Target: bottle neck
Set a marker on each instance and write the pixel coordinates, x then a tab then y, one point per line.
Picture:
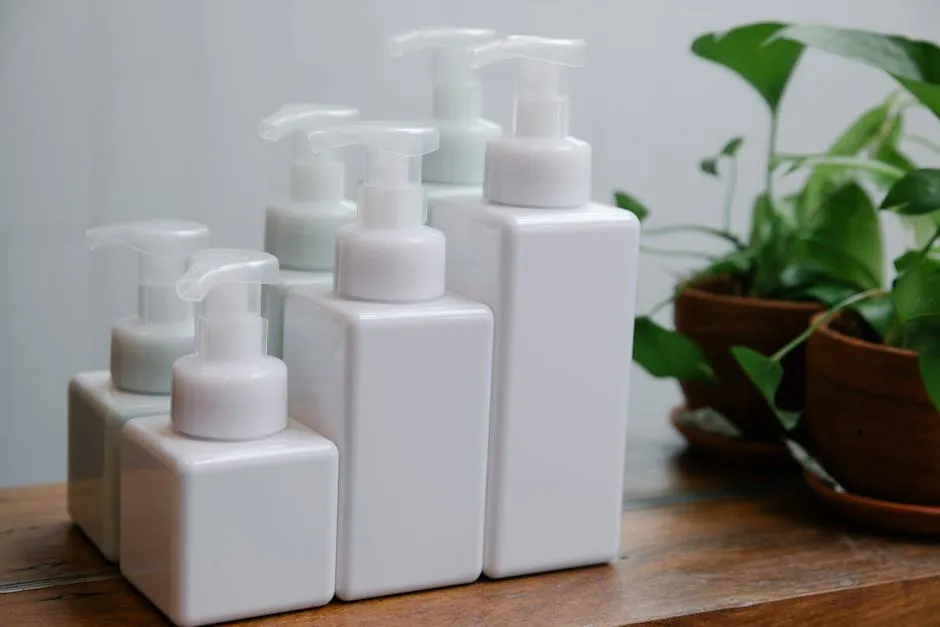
461	102
318	181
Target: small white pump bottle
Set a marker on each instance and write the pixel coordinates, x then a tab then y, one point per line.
228	508
457	166
397	373
301	231
559	272
143	349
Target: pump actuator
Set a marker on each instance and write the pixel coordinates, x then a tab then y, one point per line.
143	348
388	255
540	165
457	102
230	389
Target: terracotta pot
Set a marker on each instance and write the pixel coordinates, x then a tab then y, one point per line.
869	419
716	322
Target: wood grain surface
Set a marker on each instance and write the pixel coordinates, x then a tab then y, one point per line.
695	551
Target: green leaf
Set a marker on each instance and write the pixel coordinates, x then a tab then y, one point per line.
766	376
915	194
709	166
748	51
906	261
770	240
844	240
668	354
916	293
896	159
878	313
914	64
853	140
923	336
731	148
738	263
629	203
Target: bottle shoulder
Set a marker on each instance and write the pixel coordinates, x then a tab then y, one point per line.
477	209
356	312
187	454
99	391
312	211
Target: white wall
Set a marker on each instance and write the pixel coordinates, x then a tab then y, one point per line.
125	109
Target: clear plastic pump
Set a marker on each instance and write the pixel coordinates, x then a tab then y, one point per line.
541	109
227	284
315	177
163	246
540	165
389	255
457	101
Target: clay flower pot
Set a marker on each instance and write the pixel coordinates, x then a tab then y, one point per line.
716	322
869	420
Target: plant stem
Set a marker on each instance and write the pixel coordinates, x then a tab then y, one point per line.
696	228
923	141
660	305
926	249
729	192
676	253
848	162
771	157
848	302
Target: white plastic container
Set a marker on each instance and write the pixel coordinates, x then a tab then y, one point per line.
228	508
301	231
397	374
456	167
143	349
559	273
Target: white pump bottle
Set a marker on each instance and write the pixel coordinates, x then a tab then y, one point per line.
457	166
143	349
397	373
559	272
301	231
226	483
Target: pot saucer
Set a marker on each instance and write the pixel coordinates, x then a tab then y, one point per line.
902	517
730	449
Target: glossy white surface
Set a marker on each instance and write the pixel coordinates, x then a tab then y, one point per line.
561	284
215	531
301	235
403	391
96	412
273	298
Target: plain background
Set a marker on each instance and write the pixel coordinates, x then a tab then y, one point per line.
127	109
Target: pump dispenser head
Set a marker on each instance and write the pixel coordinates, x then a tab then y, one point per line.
541	166
457	101
144	348
314	177
389	255
227	286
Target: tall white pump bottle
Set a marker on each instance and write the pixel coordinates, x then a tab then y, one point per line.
228	507
397	373
457	166
301	231
559	272
143	349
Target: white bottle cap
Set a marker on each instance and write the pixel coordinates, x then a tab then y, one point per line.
389	255
314	178
230	389
457	102
541	166
141	360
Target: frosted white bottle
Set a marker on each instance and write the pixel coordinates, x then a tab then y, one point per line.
300	232
143	349
559	273
397	374
456	167
228	508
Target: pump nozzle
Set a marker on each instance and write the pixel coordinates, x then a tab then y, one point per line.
541	109
314	177
163	246
389	256
227	284
456	103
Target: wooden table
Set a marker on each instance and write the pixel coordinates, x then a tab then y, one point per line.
700	546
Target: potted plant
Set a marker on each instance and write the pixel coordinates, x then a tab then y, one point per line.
872	413
798	255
